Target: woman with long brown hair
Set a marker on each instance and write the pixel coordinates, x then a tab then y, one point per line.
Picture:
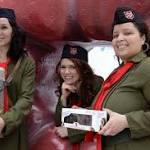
77	86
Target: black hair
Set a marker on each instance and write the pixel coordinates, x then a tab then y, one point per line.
144	30
16	49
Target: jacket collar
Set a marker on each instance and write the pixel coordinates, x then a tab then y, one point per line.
138	57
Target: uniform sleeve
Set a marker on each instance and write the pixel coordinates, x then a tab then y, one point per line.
57	114
139	121
76	136
16	114
98	83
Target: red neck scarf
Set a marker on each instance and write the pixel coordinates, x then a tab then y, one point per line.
108	83
6	101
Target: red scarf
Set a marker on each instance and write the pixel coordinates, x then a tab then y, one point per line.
108	83
6	101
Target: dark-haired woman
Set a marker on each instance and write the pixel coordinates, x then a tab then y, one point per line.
77	86
125	94
17	83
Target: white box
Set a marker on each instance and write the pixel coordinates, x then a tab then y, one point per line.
83	119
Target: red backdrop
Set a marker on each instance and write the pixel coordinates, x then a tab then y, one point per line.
48	24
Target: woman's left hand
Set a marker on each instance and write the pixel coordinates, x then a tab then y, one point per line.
115	124
61	131
2	125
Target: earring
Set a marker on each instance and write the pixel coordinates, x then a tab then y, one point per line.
146	47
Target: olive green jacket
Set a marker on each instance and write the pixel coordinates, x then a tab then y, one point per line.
20	93
131	96
75	136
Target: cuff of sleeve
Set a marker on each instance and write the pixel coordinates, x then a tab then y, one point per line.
7	129
135	125
76	136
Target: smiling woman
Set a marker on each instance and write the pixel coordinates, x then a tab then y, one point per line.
77	85
69	74
125	93
127	41
5	34
17	83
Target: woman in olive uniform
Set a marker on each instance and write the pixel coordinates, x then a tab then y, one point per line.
17	74
125	94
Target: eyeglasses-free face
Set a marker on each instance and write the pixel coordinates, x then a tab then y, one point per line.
127	40
5	33
68	72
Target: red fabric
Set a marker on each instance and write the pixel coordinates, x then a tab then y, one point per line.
76	146
6	101
108	83
76	103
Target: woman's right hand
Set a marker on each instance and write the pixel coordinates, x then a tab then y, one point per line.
61	131
66	89
116	123
2	125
